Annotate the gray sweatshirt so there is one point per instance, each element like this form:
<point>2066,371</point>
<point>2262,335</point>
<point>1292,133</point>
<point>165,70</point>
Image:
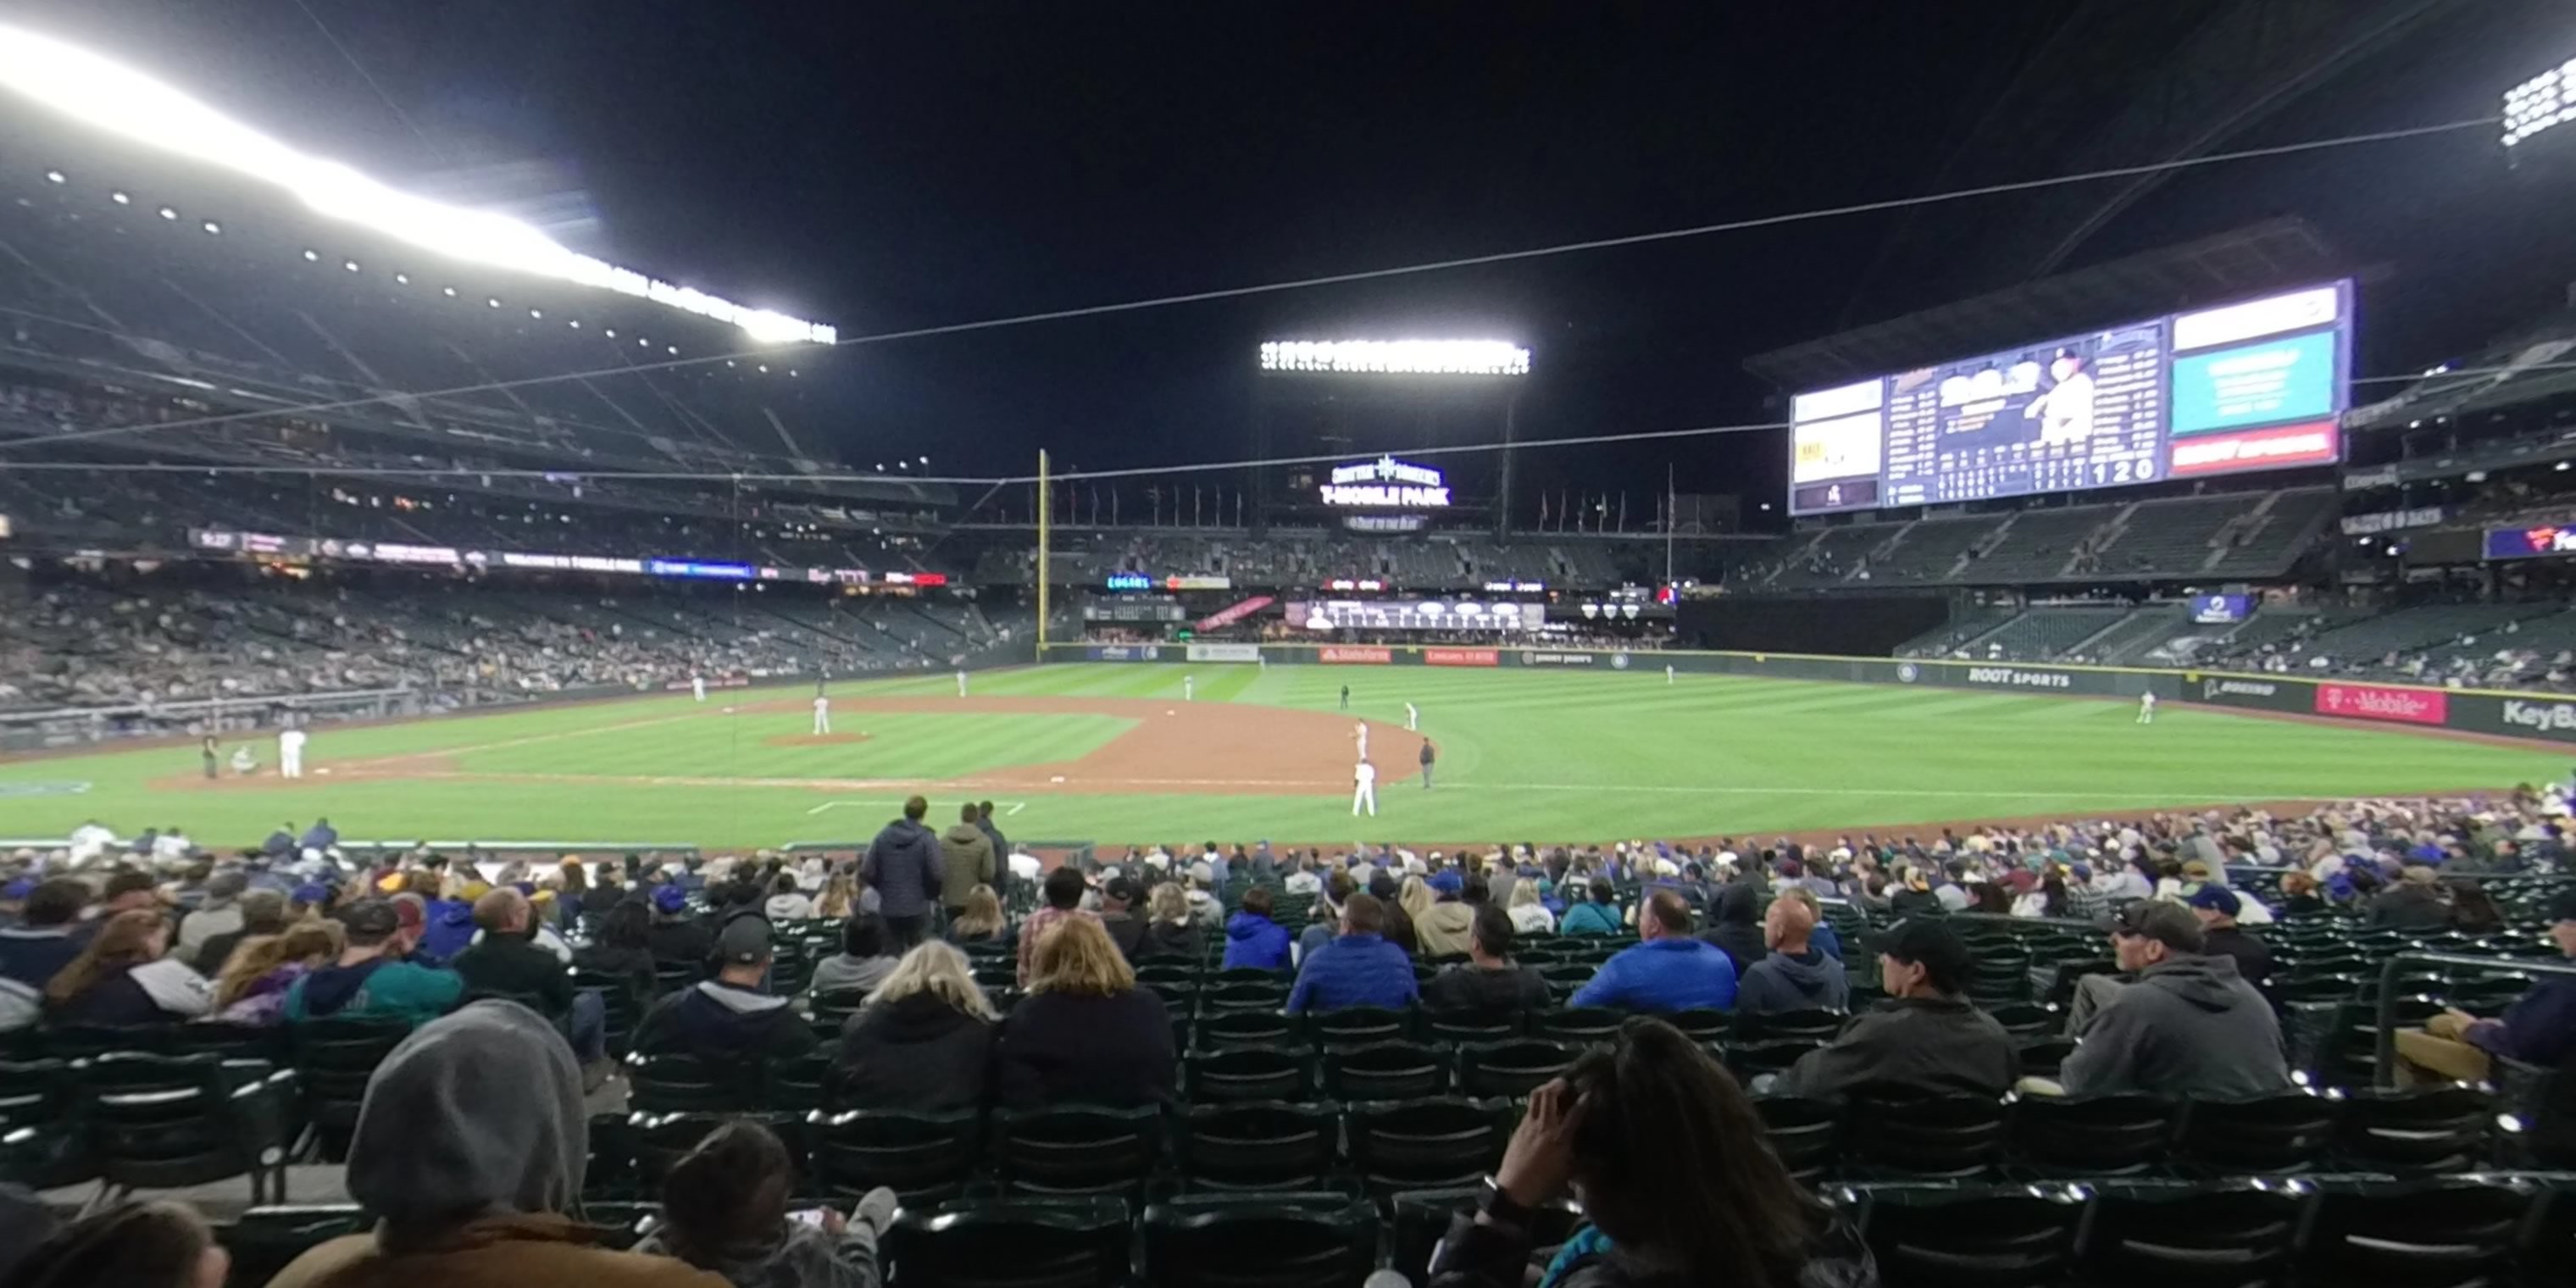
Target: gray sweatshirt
<point>2189,1027</point>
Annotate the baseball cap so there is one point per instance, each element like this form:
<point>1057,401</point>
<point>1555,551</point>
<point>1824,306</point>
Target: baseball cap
<point>370,919</point>
<point>670,898</point>
<point>2215,898</point>
<point>18,889</point>
<point>1120,889</point>
<point>312,892</point>
<point>743,941</point>
<point>1930,943</point>
<point>2167,923</point>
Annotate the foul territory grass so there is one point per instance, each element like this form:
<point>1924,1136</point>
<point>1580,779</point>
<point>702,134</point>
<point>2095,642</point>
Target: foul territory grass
<point>1524,756</point>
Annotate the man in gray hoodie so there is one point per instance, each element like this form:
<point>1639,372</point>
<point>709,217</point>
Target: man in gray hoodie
<point>1794,975</point>
<point>903,867</point>
<point>469,1153</point>
<point>2187,1027</point>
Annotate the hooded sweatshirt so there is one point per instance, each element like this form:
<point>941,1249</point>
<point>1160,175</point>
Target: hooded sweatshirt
<point>468,1149</point>
<point>450,928</point>
<point>1806,981</point>
<point>1737,925</point>
<point>1255,941</point>
<point>965,861</point>
<point>916,1053</point>
<point>903,868</point>
<point>2189,1027</point>
<point>723,1022</point>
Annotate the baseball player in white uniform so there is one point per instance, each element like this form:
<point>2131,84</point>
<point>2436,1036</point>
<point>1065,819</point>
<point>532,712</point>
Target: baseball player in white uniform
<point>1189,687</point>
<point>822,714</point>
<point>1365,793</point>
<point>1668,672</point>
<point>698,687</point>
<point>290,753</point>
<point>961,682</point>
<point>1412,719</point>
<point>2146,708</point>
<point>1363,739</point>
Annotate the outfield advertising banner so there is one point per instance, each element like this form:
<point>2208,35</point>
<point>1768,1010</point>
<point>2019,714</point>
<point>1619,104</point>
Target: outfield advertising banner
<point>1539,657</point>
<point>1225,653</point>
<point>1355,656</point>
<point>2249,692</point>
<point>1462,657</point>
<point>1125,653</point>
<point>2383,702</point>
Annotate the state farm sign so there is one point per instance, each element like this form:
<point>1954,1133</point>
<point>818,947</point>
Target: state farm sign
<point>1363,656</point>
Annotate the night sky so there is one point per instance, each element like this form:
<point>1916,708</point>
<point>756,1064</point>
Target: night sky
<point>885,166</point>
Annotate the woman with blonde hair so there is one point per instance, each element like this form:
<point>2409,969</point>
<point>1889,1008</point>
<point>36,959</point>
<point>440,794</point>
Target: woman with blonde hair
<point>1415,897</point>
<point>1085,1034</point>
<point>125,977</point>
<point>252,988</point>
<point>1529,916</point>
<point>839,899</point>
<point>982,921</point>
<point>924,1040</point>
<point>1169,929</point>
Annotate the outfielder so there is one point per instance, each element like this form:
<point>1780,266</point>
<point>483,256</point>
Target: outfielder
<point>1365,793</point>
<point>1668,672</point>
<point>1412,719</point>
<point>822,714</point>
<point>698,687</point>
<point>290,753</point>
<point>961,682</point>
<point>2146,708</point>
<point>1189,687</point>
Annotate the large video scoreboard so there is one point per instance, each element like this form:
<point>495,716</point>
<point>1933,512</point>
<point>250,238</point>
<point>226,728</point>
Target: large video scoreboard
<point>2256,385</point>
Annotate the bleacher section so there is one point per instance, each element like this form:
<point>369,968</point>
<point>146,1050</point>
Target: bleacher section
<point>1932,549</point>
<point>2045,633</point>
<point>2038,545</point>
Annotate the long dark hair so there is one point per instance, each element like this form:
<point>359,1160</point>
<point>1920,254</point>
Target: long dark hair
<point>626,925</point>
<point>1676,1168</point>
<point>727,1195</point>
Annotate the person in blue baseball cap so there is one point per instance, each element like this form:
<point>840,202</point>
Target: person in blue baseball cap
<point>13,900</point>
<point>2217,906</point>
<point>677,939</point>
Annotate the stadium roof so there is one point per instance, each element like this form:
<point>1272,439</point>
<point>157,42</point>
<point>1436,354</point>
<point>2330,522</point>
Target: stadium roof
<point>2532,362</point>
<point>2246,261</point>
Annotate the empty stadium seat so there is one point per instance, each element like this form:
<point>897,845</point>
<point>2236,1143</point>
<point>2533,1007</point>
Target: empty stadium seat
<point>1319,1241</point>
<point>1077,1149</point>
<point>1257,1146</point>
<point>1939,1237</point>
<point>922,1157</point>
<point>1427,1144</point>
<point>1012,1243</point>
<point>1385,1071</point>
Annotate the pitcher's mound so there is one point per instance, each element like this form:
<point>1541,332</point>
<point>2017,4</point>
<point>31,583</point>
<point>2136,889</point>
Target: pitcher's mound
<point>813,739</point>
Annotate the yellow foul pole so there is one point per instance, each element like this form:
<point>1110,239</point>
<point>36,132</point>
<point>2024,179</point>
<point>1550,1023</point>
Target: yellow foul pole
<point>1045,512</point>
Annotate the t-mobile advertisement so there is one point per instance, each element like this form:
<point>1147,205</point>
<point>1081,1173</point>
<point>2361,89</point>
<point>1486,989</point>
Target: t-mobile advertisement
<point>2380,702</point>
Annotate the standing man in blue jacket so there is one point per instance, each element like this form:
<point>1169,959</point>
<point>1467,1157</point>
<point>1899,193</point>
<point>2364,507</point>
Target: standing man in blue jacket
<point>1359,968</point>
<point>1669,972</point>
<point>903,868</point>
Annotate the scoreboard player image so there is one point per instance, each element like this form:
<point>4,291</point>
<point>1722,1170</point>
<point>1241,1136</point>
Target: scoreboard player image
<point>2064,409</point>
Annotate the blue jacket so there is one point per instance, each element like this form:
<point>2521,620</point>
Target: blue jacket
<point>1589,918</point>
<point>1824,940</point>
<point>1356,970</point>
<point>1661,976</point>
<point>903,867</point>
<point>449,928</point>
<point>1256,941</point>
<point>2539,1028</point>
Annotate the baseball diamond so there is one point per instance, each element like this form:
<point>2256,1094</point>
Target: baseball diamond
<point>1112,754</point>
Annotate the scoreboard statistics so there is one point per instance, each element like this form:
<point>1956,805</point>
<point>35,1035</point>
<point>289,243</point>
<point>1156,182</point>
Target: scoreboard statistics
<point>2251,386</point>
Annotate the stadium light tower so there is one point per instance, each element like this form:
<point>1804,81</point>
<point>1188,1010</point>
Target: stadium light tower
<point>107,95</point>
<point>1325,380</point>
<point>2544,101</point>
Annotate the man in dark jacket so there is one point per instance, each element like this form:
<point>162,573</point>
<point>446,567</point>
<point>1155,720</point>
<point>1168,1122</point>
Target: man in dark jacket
<point>2217,906</point>
<point>49,937</point>
<point>903,867</point>
<point>2188,1026</point>
<point>1001,849</point>
<point>506,962</point>
<point>1359,968</point>
<point>966,860</point>
<point>2539,1028</point>
<point>1490,982</point>
<point>2416,902</point>
<point>1118,916</point>
<point>730,1018</point>
<point>1794,975</point>
<point>1735,923</point>
<point>1926,1040</point>
<point>676,938</point>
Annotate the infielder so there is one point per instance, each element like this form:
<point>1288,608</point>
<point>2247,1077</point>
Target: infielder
<point>961,682</point>
<point>2146,708</point>
<point>1346,697</point>
<point>290,753</point>
<point>1189,687</point>
<point>1412,719</point>
<point>822,714</point>
<point>698,687</point>
<point>1366,791</point>
<point>1363,739</point>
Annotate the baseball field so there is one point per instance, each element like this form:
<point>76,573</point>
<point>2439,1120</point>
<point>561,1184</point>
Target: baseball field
<point>1114,754</point>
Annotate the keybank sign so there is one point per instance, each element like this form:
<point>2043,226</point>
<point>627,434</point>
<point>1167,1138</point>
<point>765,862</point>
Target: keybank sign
<point>2547,716</point>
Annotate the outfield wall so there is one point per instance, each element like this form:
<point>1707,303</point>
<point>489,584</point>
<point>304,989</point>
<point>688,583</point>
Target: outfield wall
<point>2549,717</point>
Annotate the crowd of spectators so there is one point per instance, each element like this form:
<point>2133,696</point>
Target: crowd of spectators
<point>470,1174</point>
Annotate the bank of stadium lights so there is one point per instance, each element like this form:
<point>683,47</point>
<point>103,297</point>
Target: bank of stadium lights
<point>2545,100</point>
<point>1397,357</point>
<point>120,100</point>
<point>315,257</point>
<point>168,213</point>
<point>120,198</point>
<point>55,176</point>
<point>212,228</point>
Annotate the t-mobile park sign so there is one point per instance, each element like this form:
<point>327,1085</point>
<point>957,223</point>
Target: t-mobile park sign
<point>1386,481</point>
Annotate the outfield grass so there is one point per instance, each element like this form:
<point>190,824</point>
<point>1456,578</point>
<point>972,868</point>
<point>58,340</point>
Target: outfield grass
<point>1525,756</point>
